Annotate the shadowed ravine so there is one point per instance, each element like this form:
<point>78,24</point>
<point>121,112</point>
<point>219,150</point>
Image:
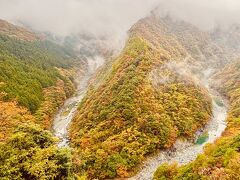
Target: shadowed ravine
<point>185,151</point>
<point>67,112</point>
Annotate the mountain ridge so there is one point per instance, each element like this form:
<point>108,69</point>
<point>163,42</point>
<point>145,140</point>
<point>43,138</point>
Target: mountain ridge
<point>126,118</point>
<point>18,32</point>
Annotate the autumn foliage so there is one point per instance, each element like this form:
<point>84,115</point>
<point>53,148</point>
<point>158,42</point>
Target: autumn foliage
<point>32,153</point>
<point>126,118</point>
<point>220,160</point>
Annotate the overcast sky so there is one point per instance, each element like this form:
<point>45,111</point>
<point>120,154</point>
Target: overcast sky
<point>113,17</point>
<point>205,14</point>
<point>71,16</point>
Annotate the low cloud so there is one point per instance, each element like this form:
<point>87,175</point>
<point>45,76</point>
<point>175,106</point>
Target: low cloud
<point>65,17</point>
<point>111,19</point>
<point>205,14</point>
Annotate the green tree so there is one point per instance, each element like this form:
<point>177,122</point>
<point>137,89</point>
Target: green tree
<point>32,153</point>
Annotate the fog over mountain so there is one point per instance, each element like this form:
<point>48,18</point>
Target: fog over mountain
<point>102,18</point>
<point>205,14</point>
<point>111,19</point>
<point>120,89</point>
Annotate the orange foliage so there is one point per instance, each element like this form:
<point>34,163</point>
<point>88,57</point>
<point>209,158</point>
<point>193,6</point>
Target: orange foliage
<point>54,98</point>
<point>12,115</point>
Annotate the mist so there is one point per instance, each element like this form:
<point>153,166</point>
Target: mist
<point>205,14</point>
<point>111,19</point>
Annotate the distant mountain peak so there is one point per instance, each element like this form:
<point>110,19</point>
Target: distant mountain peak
<point>17,32</point>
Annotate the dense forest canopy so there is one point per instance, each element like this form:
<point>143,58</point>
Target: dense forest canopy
<point>127,118</point>
<point>28,67</point>
<point>160,90</point>
<point>32,153</point>
<point>220,160</point>
<point>36,76</point>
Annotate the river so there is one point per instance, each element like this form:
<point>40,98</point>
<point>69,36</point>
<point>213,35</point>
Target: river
<point>182,152</point>
<point>185,151</point>
<point>67,111</point>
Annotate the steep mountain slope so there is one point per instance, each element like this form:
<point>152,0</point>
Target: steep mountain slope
<point>142,105</point>
<point>35,77</point>
<point>184,40</point>
<point>17,32</point>
<point>154,93</point>
<point>229,38</point>
<point>220,160</point>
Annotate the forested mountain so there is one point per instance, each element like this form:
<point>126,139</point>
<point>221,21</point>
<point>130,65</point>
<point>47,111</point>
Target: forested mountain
<point>220,160</point>
<point>36,77</point>
<point>146,101</point>
<point>17,32</point>
<point>32,74</point>
<point>35,74</point>
<point>160,89</point>
<point>183,40</point>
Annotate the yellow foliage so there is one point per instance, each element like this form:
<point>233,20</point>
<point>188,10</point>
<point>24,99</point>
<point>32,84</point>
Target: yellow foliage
<point>11,115</point>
